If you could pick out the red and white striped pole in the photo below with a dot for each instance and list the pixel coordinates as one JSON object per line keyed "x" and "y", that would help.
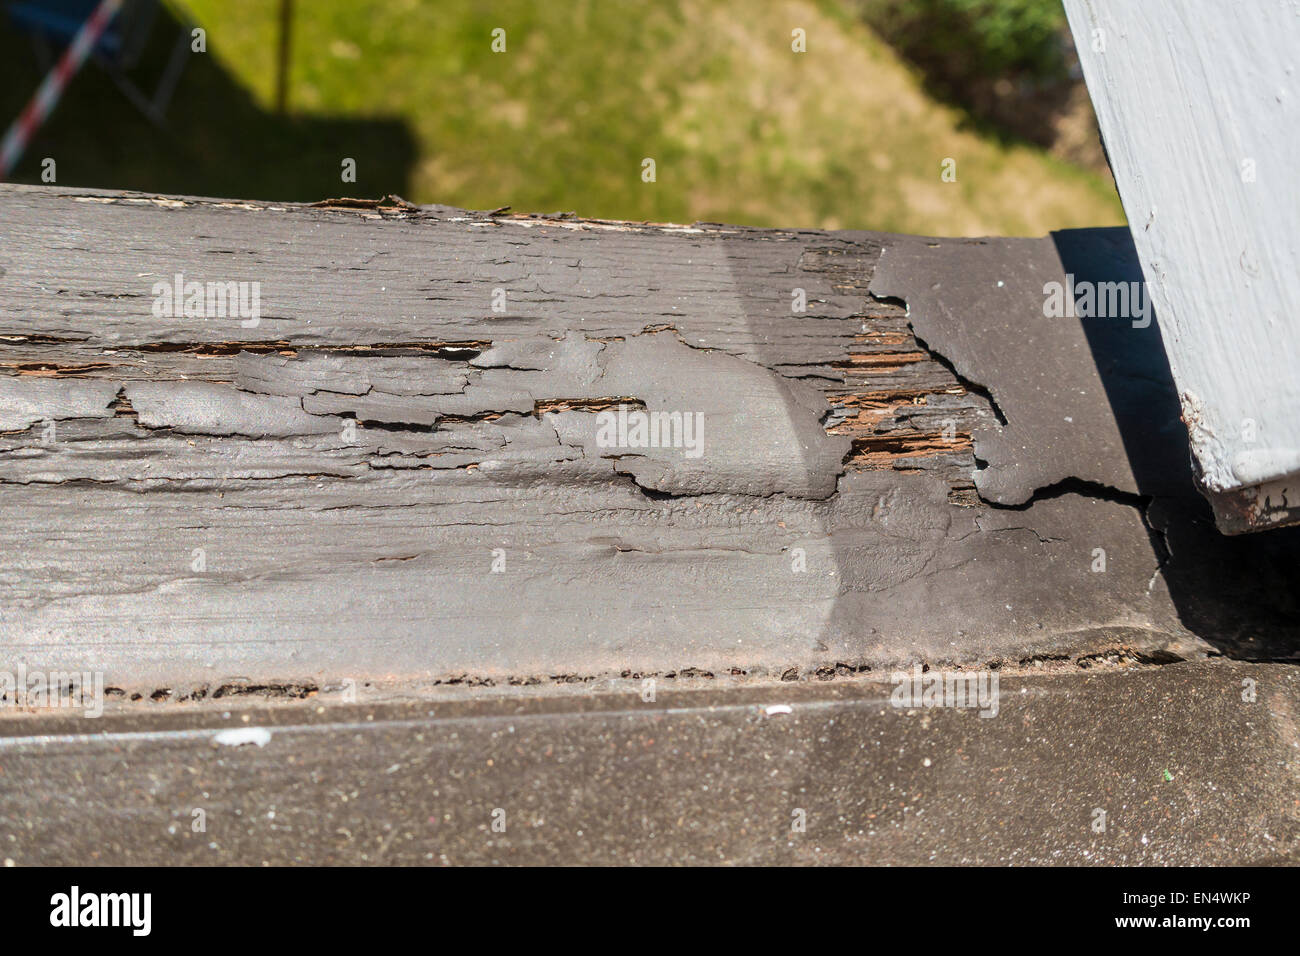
{"x": 47, "y": 97}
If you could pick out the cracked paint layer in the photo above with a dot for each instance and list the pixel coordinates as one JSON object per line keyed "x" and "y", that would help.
{"x": 393, "y": 480}
{"x": 1082, "y": 398}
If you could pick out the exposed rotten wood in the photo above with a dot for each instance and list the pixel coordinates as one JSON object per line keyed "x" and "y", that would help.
{"x": 351, "y": 469}
{"x": 900, "y": 407}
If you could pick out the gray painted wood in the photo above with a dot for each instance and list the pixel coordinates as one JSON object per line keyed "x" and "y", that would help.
{"x": 352, "y": 467}
{"x": 1199, "y": 106}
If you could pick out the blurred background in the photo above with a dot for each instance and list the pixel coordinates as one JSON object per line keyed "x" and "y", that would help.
{"x": 852, "y": 133}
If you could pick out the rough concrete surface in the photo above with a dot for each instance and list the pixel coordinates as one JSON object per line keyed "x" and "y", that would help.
{"x": 1184, "y": 769}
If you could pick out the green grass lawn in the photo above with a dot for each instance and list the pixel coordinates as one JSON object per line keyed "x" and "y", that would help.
{"x": 741, "y": 128}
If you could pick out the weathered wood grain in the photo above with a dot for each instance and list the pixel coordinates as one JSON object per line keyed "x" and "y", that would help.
{"x": 386, "y": 479}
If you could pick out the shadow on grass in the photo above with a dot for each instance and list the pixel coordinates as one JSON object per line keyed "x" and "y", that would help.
{"x": 216, "y": 139}
{"x": 1012, "y": 92}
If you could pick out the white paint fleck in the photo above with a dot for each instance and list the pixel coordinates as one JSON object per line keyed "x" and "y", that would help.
{"x": 244, "y": 735}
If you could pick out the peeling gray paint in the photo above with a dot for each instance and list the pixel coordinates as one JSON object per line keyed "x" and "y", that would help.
{"x": 1083, "y": 398}
{"x": 198, "y": 408}
{"x": 25, "y": 401}
{"x": 352, "y": 476}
